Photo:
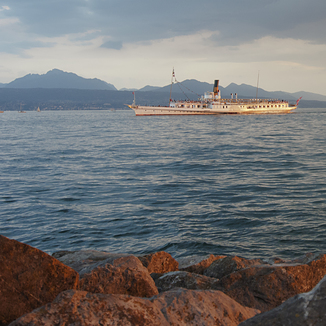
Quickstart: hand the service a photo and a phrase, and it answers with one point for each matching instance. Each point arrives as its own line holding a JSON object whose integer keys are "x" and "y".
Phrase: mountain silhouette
{"x": 59, "y": 79}
{"x": 66, "y": 87}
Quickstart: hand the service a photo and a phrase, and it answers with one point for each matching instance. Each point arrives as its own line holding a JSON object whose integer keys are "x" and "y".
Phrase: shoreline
{"x": 37, "y": 287}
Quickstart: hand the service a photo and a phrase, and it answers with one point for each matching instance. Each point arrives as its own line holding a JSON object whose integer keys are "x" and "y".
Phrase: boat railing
{"x": 248, "y": 101}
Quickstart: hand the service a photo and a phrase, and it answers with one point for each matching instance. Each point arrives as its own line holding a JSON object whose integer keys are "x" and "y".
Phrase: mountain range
{"x": 59, "y": 89}
{"x": 58, "y": 79}
{"x": 66, "y": 80}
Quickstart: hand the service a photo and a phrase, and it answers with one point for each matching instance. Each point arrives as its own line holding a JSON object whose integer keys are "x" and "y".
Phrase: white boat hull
{"x": 161, "y": 110}
{"x": 217, "y": 109}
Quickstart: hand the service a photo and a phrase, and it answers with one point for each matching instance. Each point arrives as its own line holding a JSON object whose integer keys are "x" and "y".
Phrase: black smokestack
{"x": 215, "y": 90}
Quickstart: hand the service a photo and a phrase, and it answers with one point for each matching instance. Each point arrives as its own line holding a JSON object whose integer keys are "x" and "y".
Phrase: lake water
{"x": 253, "y": 186}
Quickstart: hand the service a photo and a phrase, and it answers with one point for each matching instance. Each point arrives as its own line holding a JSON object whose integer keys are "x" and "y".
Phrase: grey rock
{"x": 304, "y": 309}
{"x": 197, "y": 264}
{"x": 225, "y": 266}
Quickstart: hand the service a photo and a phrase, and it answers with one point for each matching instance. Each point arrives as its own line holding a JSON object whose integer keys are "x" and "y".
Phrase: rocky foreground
{"x": 98, "y": 288}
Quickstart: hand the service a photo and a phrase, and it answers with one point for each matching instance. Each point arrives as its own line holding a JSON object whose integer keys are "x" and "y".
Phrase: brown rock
{"x": 159, "y": 262}
{"x": 225, "y": 266}
{"x": 304, "y": 309}
{"x": 90, "y": 309}
{"x": 178, "y": 307}
{"x": 190, "y": 281}
{"x": 123, "y": 275}
{"x": 197, "y": 264}
{"x": 29, "y": 278}
{"x": 266, "y": 287}
{"x": 190, "y": 307}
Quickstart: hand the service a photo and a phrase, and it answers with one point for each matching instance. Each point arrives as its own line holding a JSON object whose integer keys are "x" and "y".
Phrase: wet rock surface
{"x": 176, "y": 307}
{"x": 185, "y": 280}
{"x": 29, "y": 278}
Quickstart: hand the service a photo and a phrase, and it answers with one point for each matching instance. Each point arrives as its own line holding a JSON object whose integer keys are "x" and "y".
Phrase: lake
{"x": 247, "y": 185}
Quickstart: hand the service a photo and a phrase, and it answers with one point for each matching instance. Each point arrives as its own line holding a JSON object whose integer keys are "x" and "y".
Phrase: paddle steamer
{"x": 212, "y": 103}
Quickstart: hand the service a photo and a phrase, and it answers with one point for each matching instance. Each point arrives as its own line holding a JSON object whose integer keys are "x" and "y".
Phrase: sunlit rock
{"x": 29, "y": 278}
{"x": 159, "y": 262}
{"x": 177, "y": 307}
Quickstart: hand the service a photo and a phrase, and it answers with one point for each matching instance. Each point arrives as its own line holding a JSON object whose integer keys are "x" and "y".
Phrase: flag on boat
{"x": 298, "y": 100}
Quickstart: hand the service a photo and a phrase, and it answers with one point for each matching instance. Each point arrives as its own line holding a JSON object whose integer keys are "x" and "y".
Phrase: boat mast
{"x": 134, "y": 102}
{"x": 173, "y": 75}
{"x": 257, "y": 87}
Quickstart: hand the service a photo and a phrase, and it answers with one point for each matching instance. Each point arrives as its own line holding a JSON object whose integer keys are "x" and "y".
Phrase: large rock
{"x": 122, "y": 275}
{"x": 304, "y": 309}
{"x": 81, "y": 308}
{"x": 190, "y": 307}
{"x": 159, "y": 262}
{"x": 29, "y": 278}
{"x": 266, "y": 287}
{"x": 190, "y": 281}
{"x": 197, "y": 264}
{"x": 178, "y": 307}
{"x": 225, "y": 266}
{"x": 104, "y": 272}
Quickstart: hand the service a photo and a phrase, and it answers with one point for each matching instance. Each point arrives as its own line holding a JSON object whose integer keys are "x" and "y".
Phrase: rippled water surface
{"x": 249, "y": 185}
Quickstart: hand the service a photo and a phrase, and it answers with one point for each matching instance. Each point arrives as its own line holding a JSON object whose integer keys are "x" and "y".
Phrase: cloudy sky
{"x": 133, "y": 43}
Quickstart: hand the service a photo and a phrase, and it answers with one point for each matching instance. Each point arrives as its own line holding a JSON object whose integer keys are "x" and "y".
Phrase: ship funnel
{"x": 215, "y": 90}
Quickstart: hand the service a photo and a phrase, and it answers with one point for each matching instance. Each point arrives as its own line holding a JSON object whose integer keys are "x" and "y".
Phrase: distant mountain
{"x": 30, "y": 99}
{"x": 148, "y": 88}
{"x": 192, "y": 86}
{"x": 188, "y": 86}
{"x": 128, "y": 89}
{"x": 309, "y": 96}
{"x": 59, "y": 79}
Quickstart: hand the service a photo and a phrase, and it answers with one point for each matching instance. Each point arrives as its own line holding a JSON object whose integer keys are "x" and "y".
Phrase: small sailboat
{"x": 21, "y": 110}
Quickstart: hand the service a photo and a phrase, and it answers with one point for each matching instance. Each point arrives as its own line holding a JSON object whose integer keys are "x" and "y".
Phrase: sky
{"x": 131, "y": 44}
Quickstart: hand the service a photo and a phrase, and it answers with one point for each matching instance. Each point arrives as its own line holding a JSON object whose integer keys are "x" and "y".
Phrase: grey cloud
{"x": 112, "y": 45}
{"x": 237, "y": 21}
{"x": 16, "y": 47}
